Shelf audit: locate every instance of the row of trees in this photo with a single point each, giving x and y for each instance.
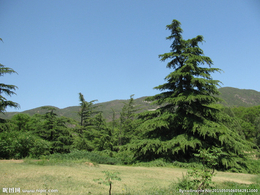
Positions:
(189, 118)
(24, 135)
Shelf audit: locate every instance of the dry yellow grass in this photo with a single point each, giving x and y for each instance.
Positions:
(78, 179)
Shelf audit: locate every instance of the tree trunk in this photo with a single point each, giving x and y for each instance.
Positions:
(110, 188)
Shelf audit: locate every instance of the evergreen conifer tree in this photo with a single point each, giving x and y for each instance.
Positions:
(86, 131)
(87, 111)
(102, 134)
(188, 118)
(54, 130)
(7, 90)
(127, 121)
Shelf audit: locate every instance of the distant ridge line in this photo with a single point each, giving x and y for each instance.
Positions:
(232, 97)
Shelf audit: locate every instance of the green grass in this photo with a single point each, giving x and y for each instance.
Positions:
(77, 177)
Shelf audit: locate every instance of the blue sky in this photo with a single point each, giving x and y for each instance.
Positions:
(109, 49)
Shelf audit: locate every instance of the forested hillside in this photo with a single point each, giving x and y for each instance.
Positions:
(239, 97)
(71, 112)
(233, 97)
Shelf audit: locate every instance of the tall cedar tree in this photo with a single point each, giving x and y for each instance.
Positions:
(54, 130)
(86, 112)
(127, 121)
(86, 131)
(188, 118)
(7, 90)
(103, 136)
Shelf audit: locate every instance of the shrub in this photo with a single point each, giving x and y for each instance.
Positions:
(125, 157)
(109, 176)
(186, 165)
(253, 166)
(19, 145)
(92, 156)
(100, 159)
(201, 179)
(155, 163)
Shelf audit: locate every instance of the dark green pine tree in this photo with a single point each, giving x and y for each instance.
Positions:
(102, 135)
(187, 118)
(54, 130)
(127, 121)
(7, 90)
(87, 111)
(86, 133)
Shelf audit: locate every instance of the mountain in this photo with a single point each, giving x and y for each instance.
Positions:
(231, 96)
(105, 107)
(239, 97)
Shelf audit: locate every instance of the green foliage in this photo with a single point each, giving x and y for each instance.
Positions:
(127, 122)
(54, 129)
(92, 156)
(201, 179)
(49, 132)
(19, 145)
(109, 176)
(155, 163)
(81, 143)
(188, 117)
(210, 157)
(94, 134)
(87, 111)
(253, 167)
(36, 135)
(186, 183)
(249, 122)
(98, 135)
(22, 122)
(6, 125)
(75, 157)
(46, 161)
(103, 159)
(7, 90)
(125, 156)
(102, 135)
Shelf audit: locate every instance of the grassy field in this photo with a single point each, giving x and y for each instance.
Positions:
(78, 178)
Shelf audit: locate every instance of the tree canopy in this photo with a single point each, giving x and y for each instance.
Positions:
(187, 118)
(6, 89)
